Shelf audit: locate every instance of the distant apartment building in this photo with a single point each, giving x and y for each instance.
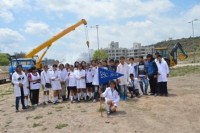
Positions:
(114, 51)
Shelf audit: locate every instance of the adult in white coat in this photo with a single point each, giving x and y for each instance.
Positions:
(26, 88)
(63, 81)
(55, 83)
(111, 97)
(45, 81)
(163, 73)
(89, 79)
(124, 69)
(19, 80)
(80, 82)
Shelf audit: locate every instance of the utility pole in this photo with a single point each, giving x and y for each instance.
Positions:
(192, 22)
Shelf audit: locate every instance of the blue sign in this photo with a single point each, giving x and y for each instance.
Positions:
(107, 75)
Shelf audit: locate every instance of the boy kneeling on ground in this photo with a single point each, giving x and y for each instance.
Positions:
(133, 86)
(111, 97)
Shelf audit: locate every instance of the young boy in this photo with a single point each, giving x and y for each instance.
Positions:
(133, 86)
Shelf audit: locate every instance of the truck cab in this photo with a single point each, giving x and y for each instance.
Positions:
(26, 63)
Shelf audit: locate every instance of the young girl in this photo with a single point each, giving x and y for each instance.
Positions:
(26, 89)
(34, 79)
(72, 83)
(45, 79)
(55, 83)
(111, 97)
(89, 79)
(80, 82)
(19, 80)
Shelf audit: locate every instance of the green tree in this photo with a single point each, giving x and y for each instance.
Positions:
(20, 55)
(4, 59)
(100, 55)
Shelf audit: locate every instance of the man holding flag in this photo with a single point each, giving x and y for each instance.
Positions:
(110, 94)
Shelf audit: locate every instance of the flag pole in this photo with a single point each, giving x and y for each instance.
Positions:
(100, 103)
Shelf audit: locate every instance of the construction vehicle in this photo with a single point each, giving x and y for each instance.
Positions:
(32, 59)
(172, 56)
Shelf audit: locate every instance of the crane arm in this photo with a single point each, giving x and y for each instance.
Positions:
(54, 38)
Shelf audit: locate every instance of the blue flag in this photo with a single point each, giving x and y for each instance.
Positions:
(107, 75)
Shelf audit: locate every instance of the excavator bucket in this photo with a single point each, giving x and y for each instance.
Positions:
(182, 57)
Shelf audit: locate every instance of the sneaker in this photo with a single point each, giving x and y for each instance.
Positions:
(94, 101)
(44, 103)
(78, 101)
(108, 113)
(24, 108)
(49, 101)
(16, 110)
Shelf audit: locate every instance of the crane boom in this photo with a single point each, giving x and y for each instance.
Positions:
(54, 38)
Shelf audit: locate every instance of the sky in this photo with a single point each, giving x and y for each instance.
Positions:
(25, 24)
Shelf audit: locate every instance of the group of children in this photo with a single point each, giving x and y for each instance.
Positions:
(80, 81)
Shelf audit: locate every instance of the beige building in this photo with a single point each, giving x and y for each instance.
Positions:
(114, 51)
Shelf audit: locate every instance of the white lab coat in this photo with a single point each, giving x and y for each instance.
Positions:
(80, 83)
(95, 76)
(123, 69)
(163, 70)
(136, 83)
(45, 78)
(132, 68)
(72, 79)
(111, 94)
(16, 81)
(89, 75)
(63, 75)
(26, 87)
(55, 80)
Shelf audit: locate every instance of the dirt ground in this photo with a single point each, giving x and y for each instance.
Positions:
(178, 113)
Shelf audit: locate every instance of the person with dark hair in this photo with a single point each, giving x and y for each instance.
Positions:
(67, 67)
(26, 89)
(133, 86)
(111, 97)
(112, 65)
(142, 75)
(133, 66)
(63, 80)
(34, 79)
(19, 80)
(55, 83)
(76, 63)
(80, 82)
(163, 73)
(46, 84)
(117, 63)
(152, 72)
(72, 83)
(95, 81)
(123, 68)
(83, 64)
(89, 79)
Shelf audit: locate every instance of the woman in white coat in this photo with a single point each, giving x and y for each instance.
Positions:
(55, 83)
(45, 81)
(163, 73)
(111, 96)
(26, 89)
(72, 83)
(80, 82)
(19, 80)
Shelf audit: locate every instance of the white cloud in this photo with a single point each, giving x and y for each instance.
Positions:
(6, 16)
(10, 40)
(7, 7)
(37, 28)
(107, 9)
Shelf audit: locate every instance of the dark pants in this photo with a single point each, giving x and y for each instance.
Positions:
(96, 91)
(68, 92)
(153, 84)
(162, 88)
(22, 96)
(34, 96)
